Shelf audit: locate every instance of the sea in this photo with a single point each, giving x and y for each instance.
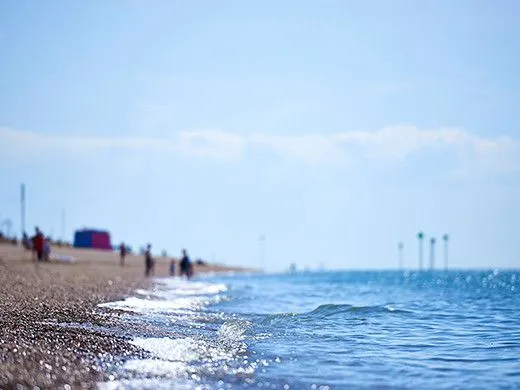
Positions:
(324, 330)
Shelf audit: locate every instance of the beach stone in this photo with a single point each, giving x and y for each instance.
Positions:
(37, 301)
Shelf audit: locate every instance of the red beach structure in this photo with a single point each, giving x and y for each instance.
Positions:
(94, 239)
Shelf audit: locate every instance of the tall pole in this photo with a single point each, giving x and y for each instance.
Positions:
(262, 251)
(400, 246)
(22, 204)
(432, 253)
(420, 237)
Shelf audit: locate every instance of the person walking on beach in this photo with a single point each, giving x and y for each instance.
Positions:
(122, 254)
(186, 266)
(148, 260)
(38, 244)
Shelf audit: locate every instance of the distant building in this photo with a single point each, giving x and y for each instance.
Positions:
(94, 239)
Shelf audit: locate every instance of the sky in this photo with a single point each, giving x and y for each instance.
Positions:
(335, 129)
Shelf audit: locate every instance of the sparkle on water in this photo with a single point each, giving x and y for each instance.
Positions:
(327, 330)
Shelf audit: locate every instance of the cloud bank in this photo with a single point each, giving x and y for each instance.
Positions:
(394, 144)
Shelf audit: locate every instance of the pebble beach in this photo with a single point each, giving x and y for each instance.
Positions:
(49, 319)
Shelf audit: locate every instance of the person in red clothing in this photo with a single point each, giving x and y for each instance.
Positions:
(38, 244)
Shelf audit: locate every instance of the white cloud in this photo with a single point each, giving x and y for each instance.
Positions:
(387, 145)
(309, 148)
(210, 143)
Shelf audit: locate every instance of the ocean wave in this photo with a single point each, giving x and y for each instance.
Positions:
(232, 333)
(331, 309)
(343, 330)
(327, 310)
(188, 287)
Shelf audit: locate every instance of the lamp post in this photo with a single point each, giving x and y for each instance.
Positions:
(420, 237)
(432, 252)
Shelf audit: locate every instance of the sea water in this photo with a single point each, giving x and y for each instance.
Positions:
(327, 330)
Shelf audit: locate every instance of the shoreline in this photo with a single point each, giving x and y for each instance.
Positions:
(46, 310)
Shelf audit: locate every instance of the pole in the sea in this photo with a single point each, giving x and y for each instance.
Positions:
(420, 237)
(400, 246)
(22, 205)
(262, 251)
(446, 238)
(432, 253)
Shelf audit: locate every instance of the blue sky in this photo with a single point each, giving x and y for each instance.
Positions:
(334, 128)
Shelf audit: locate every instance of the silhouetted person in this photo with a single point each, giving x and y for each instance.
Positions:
(122, 254)
(38, 244)
(148, 260)
(172, 267)
(186, 266)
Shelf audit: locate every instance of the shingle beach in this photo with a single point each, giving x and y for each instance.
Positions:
(50, 324)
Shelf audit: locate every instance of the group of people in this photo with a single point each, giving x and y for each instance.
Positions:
(185, 264)
(38, 245)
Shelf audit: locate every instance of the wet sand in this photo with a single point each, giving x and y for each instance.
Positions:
(35, 298)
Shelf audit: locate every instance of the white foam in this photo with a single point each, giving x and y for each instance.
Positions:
(171, 295)
(157, 367)
(173, 350)
(173, 356)
(140, 305)
(185, 349)
(179, 286)
(145, 384)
